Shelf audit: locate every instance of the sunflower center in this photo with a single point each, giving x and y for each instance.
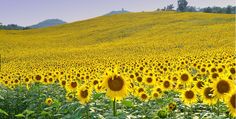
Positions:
(84, 93)
(184, 77)
(63, 83)
(38, 77)
(223, 87)
(116, 84)
(166, 84)
(144, 96)
(232, 70)
(149, 80)
(50, 79)
(200, 84)
(175, 79)
(155, 95)
(26, 80)
(208, 92)
(95, 82)
(232, 100)
(215, 75)
(139, 79)
(73, 84)
(140, 90)
(49, 101)
(159, 90)
(189, 94)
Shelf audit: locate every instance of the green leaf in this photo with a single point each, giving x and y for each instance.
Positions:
(20, 115)
(1, 97)
(44, 113)
(28, 112)
(3, 112)
(127, 103)
(97, 95)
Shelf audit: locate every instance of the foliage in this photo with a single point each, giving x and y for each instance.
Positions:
(227, 10)
(12, 27)
(182, 5)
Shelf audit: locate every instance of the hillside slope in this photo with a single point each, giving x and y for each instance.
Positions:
(47, 23)
(129, 35)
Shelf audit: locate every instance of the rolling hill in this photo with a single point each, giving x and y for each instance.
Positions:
(118, 12)
(122, 35)
(47, 23)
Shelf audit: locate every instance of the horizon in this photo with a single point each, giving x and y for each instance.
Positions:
(26, 13)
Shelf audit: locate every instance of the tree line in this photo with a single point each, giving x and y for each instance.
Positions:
(12, 27)
(183, 7)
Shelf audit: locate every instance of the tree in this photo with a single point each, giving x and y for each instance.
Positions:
(229, 9)
(182, 5)
(170, 7)
(207, 10)
(191, 9)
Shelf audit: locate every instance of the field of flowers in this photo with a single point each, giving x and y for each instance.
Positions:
(132, 65)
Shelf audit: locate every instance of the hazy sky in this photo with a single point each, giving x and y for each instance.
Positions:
(28, 12)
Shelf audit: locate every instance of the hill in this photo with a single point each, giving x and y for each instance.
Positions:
(47, 23)
(117, 12)
(159, 34)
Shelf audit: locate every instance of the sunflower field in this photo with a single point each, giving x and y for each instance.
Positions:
(127, 66)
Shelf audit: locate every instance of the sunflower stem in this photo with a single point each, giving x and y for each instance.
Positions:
(87, 110)
(114, 107)
(185, 115)
(218, 108)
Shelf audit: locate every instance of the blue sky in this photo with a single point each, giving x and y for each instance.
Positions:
(28, 12)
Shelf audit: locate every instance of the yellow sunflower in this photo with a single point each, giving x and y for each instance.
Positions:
(185, 77)
(231, 102)
(84, 94)
(207, 96)
(155, 95)
(69, 96)
(222, 87)
(167, 85)
(144, 96)
(117, 87)
(48, 101)
(72, 86)
(172, 106)
(189, 96)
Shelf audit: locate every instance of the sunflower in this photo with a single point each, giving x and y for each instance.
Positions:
(207, 96)
(84, 94)
(38, 78)
(222, 87)
(48, 101)
(189, 96)
(172, 106)
(99, 88)
(155, 95)
(199, 84)
(149, 80)
(185, 77)
(72, 86)
(116, 86)
(144, 96)
(158, 89)
(62, 82)
(139, 79)
(231, 102)
(69, 96)
(166, 85)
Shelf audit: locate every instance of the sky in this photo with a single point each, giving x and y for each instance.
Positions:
(29, 12)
